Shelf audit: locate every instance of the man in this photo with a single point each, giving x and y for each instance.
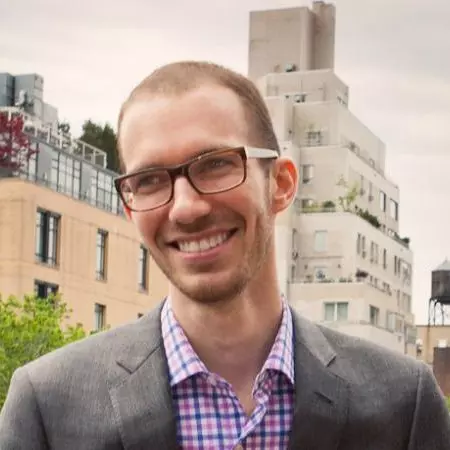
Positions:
(223, 363)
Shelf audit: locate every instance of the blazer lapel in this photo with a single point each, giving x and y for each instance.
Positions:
(321, 397)
(140, 391)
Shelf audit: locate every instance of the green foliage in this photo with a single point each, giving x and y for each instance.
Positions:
(328, 205)
(104, 138)
(373, 220)
(313, 207)
(30, 328)
(351, 193)
(448, 403)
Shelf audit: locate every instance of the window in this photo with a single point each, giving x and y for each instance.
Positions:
(102, 192)
(406, 302)
(374, 315)
(47, 230)
(358, 244)
(382, 201)
(390, 321)
(393, 210)
(372, 252)
(29, 166)
(66, 174)
(397, 265)
(143, 268)
(336, 311)
(42, 289)
(363, 246)
(320, 241)
(99, 317)
(102, 240)
(140, 315)
(370, 191)
(313, 138)
(362, 184)
(384, 258)
(307, 171)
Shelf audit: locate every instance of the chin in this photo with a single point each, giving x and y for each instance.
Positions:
(211, 289)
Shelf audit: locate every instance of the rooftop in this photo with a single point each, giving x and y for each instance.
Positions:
(60, 138)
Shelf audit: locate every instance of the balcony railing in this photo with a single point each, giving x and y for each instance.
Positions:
(329, 207)
(64, 141)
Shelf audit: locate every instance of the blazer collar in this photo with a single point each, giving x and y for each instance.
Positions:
(321, 396)
(142, 401)
(139, 388)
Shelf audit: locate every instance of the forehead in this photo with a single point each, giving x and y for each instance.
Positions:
(160, 130)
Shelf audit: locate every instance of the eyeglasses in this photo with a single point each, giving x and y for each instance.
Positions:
(210, 173)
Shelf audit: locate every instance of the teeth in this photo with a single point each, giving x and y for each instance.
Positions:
(203, 244)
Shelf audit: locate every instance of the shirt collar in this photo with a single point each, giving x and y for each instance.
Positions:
(183, 361)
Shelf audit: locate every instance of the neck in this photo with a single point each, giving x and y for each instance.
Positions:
(234, 338)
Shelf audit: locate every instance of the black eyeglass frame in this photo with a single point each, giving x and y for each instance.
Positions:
(175, 171)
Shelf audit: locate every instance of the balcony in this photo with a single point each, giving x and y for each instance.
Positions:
(330, 207)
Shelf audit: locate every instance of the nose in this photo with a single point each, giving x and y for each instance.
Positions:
(187, 205)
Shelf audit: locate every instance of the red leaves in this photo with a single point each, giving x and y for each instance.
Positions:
(15, 145)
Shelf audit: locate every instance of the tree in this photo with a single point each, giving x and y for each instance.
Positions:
(448, 403)
(29, 329)
(104, 138)
(350, 196)
(15, 145)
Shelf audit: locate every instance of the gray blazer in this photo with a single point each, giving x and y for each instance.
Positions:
(111, 392)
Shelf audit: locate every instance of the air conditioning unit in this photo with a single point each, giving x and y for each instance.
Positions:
(294, 255)
(370, 198)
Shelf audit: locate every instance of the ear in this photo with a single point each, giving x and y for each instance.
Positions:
(285, 184)
(127, 211)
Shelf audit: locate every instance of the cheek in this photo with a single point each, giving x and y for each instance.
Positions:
(146, 223)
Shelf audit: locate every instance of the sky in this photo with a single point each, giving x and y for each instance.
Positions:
(393, 55)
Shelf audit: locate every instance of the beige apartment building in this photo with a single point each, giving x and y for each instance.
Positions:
(62, 230)
(345, 267)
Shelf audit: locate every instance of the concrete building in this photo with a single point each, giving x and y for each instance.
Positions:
(341, 260)
(62, 230)
(27, 91)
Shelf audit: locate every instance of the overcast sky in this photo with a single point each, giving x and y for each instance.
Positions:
(394, 55)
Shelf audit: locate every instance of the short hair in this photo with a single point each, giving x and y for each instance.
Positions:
(182, 77)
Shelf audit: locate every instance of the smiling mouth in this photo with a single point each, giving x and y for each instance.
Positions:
(203, 245)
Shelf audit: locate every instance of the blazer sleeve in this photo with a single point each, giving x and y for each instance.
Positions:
(431, 422)
(21, 426)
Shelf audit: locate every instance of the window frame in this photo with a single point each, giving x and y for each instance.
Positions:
(47, 237)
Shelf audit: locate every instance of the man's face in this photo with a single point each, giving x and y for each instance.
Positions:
(238, 223)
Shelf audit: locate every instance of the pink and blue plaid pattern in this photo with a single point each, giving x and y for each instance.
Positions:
(209, 415)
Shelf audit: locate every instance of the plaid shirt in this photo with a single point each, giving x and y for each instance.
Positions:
(209, 415)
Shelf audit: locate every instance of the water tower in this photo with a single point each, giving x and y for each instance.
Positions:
(439, 305)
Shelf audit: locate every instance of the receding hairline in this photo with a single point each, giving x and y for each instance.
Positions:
(179, 78)
(141, 94)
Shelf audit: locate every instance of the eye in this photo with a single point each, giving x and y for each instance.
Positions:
(217, 163)
(148, 182)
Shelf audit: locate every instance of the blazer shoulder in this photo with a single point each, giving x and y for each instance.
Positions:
(354, 359)
(362, 359)
(100, 350)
